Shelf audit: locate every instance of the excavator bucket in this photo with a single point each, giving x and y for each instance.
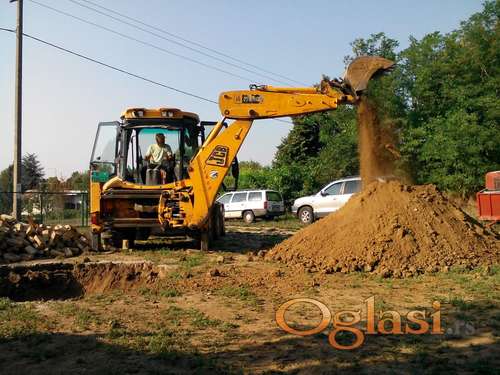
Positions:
(362, 69)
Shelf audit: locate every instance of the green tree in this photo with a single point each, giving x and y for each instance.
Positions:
(301, 144)
(32, 172)
(452, 137)
(78, 181)
(31, 178)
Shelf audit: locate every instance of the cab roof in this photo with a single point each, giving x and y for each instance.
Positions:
(134, 114)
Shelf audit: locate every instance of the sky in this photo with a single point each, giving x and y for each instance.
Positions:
(65, 97)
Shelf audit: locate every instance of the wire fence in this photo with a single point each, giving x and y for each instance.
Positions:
(64, 207)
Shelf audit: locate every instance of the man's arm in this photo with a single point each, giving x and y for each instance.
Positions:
(169, 151)
(148, 153)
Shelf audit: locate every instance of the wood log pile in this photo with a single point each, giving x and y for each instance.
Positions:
(21, 241)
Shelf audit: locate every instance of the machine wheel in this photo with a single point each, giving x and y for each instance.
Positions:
(115, 238)
(218, 220)
(222, 224)
(95, 242)
(206, 238)
(248, 217)
(112, 238)
(306, 215)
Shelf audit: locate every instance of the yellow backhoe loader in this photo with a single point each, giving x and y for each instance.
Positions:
(155, 171)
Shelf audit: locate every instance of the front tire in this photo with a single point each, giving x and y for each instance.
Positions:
(248, 217)
(306, 215)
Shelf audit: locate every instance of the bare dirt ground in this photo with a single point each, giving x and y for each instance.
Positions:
(166, 308)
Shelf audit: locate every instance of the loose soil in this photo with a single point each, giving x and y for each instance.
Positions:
(392, 229)
(167, 308)
(376, 143)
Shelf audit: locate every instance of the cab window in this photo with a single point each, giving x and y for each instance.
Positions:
(352, 187)
(334, 189)
(254, 196)
(239, 197)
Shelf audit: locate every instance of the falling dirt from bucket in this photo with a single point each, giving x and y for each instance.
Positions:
(376, 143)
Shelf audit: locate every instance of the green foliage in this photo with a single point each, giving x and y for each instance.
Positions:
(376, 45)
(453, 151)
(31, 178)
(452, 137)
(442, 99)
(301, 144)
(78, 181)
(32, 172)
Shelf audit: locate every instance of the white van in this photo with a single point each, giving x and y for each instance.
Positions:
(250, 204)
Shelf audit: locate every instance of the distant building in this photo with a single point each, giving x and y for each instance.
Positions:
(64, 199)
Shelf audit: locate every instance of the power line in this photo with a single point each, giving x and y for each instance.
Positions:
(163, 31)
(119, 69)
(224, 61)
(142, 42)
(98, 62)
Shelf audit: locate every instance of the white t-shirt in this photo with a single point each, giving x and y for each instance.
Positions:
(158, 153)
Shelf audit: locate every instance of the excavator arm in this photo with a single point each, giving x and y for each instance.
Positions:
(189, 202)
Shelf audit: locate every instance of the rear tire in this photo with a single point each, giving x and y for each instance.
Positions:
(115, 238)
(205, 240)
(306, 215)
(248, 217)
(220, 228)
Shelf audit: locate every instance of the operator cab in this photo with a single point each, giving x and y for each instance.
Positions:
(120, 148)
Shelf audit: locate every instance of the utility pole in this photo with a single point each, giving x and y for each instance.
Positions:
(16, 201)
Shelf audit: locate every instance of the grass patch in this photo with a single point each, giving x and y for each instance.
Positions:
(84, 318)
(201, 321)
(242, 293)
(174, 315)
(287, 221)
(189, 262)
(18, 319)
(166, 341)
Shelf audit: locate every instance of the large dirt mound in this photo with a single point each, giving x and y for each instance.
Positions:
(392, 229)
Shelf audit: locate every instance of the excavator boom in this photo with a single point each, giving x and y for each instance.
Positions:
(267, 101)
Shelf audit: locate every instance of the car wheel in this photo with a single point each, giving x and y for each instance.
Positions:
(306, 215)
(248, 217)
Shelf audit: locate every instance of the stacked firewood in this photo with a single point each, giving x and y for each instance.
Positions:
(26, 241)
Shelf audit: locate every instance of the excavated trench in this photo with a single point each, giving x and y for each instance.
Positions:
(59, 281)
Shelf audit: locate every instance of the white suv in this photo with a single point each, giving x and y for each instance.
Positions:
(250, 204)
(329, 199)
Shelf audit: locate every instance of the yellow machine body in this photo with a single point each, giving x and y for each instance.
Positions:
(189, 203)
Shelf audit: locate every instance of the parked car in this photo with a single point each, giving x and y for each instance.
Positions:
(250, 204)
(329, 199)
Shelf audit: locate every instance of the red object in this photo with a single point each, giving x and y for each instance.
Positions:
(493, 180)
(265, 205)
(94, 218)
(488, 205)
(488, 200)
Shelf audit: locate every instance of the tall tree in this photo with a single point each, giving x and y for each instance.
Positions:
(31, 178)
(453, 133)
(32, 172)
(301, 144)
(78, 181)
